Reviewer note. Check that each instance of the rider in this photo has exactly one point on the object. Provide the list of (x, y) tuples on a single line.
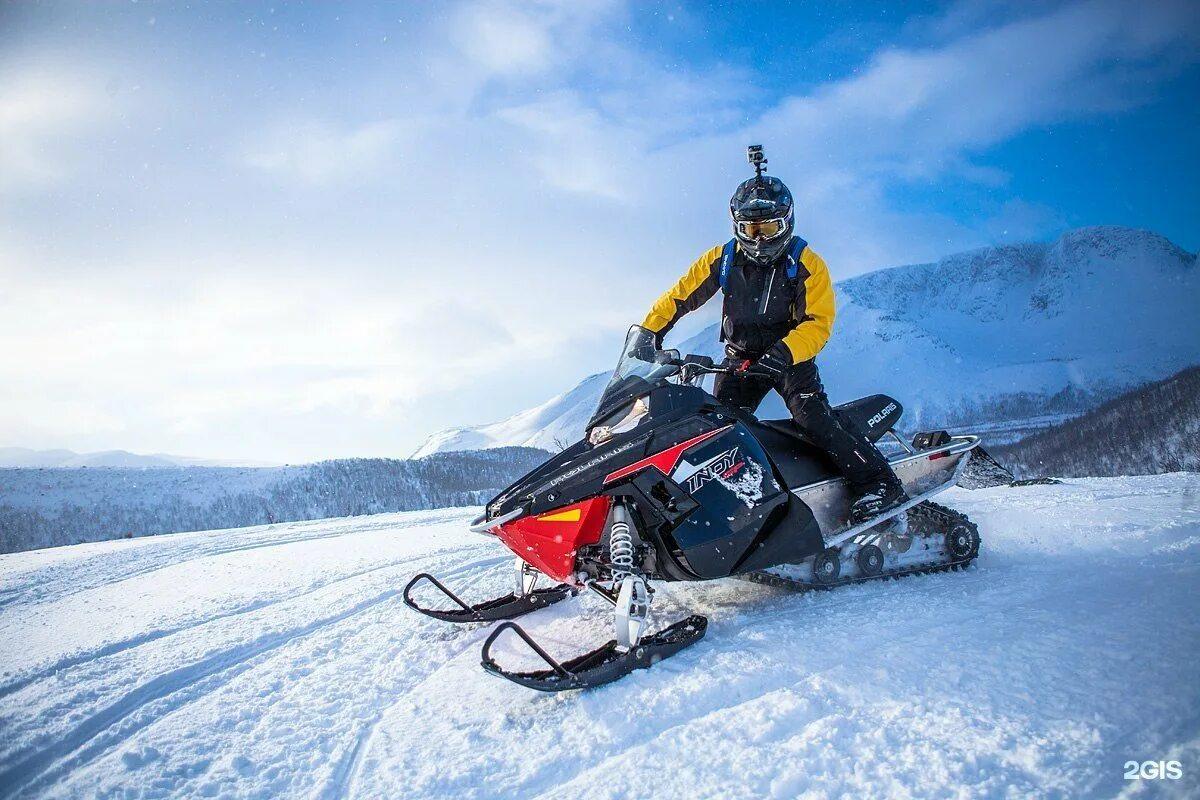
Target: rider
[(778, 313)]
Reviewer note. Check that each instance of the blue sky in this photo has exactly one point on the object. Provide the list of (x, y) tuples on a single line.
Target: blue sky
[(306, 231)]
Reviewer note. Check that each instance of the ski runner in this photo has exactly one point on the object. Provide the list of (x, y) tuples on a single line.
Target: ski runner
[(777, 316)]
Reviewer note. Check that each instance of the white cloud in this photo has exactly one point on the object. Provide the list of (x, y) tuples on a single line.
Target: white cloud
[(503, 39), (38, 108), (508, 38), (577, 149), (920, 111), (320, 152)]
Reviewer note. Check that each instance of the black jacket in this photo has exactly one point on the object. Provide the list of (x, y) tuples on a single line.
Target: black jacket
[(762, 305)]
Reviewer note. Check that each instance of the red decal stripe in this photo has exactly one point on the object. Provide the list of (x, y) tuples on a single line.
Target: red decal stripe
[(666, 460)]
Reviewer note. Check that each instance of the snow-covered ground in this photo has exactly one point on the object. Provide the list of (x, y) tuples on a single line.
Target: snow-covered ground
[(280, 662)]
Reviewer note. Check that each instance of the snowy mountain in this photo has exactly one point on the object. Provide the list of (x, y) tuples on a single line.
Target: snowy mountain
[(1011, 338), (1149, 430), (280, 661), (551, 426), (22, 457)]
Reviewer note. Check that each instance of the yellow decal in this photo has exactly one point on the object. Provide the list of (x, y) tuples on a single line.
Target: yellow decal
[(571, 515)]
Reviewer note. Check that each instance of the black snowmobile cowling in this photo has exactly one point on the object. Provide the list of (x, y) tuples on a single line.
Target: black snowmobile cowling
[(670, 484)]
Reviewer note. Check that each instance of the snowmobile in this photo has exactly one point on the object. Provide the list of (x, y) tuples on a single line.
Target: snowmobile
[(669, 484)]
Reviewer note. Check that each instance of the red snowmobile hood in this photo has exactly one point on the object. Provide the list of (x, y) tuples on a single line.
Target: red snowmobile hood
[(549, 541)]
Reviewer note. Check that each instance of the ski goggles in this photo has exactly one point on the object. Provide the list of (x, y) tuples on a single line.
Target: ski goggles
[(761, 229)]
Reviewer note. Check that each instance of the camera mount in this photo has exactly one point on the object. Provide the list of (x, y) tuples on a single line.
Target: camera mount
[(755, 155)]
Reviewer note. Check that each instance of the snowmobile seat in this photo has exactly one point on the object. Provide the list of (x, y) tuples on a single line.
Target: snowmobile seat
[(871, 416), (799, 461)]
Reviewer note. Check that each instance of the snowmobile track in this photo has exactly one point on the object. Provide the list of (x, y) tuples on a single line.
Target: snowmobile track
[(113, 648), (926, 508), (37, 769), (256, 539), (778, 581), (77, 747), (342, 781)]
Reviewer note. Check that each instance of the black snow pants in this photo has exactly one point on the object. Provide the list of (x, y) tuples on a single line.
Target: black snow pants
[(802, 392)]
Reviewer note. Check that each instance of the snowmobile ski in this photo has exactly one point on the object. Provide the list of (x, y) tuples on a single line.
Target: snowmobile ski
[(602, 665), (509, 606)]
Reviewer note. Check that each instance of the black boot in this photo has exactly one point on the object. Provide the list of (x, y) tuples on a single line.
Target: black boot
[(875, 499)]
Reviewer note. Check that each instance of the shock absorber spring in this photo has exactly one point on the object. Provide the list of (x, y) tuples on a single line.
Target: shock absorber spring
[(620, 545)]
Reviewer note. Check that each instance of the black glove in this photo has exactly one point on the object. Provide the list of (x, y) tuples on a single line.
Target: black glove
[(769, 365)]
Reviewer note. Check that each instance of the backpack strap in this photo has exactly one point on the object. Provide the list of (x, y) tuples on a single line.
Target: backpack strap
[(795, 248), (793, 257), (727, 253)]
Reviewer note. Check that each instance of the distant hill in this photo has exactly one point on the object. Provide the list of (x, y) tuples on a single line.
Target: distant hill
[(1150, 430), (1009, 338), (42, 507), (551, 426), (23, 457)]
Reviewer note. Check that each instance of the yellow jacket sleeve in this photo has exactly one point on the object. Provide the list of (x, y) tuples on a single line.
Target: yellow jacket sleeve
[(816, 319), (694, 289)]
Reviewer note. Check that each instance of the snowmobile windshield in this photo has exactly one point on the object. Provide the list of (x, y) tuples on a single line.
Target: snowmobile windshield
[(641, 367)]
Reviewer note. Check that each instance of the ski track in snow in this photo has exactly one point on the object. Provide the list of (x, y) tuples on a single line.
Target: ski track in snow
[(280, 662), (106, 564)]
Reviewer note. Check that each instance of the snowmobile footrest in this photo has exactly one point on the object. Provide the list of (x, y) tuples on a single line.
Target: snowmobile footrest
[(601, 666), (506, 607)]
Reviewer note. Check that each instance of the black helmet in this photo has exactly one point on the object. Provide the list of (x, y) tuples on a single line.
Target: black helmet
[(762, 218)]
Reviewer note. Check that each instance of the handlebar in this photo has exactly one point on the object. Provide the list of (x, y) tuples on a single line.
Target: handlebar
[(690, 370), (715, 369)]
